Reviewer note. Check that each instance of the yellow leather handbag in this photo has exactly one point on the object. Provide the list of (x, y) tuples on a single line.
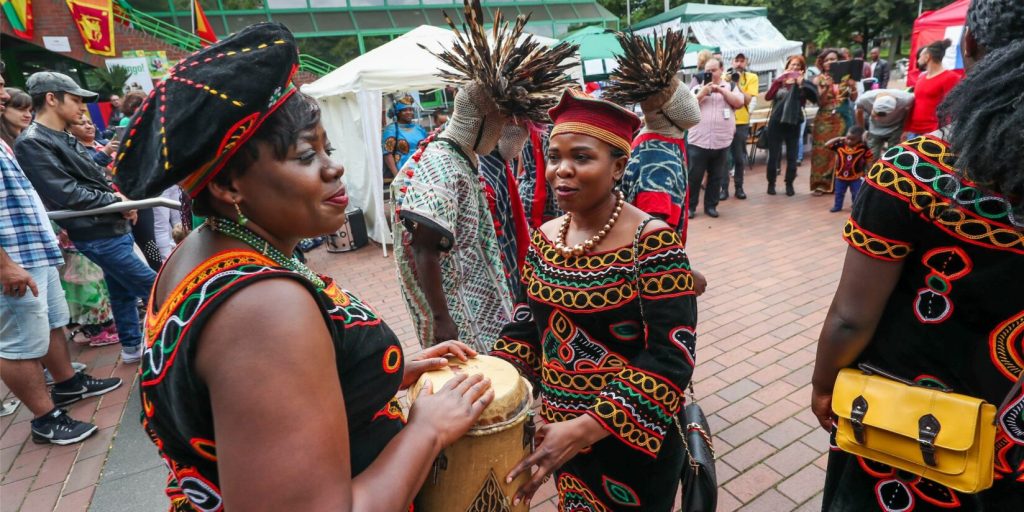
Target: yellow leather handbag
[(945, 437)]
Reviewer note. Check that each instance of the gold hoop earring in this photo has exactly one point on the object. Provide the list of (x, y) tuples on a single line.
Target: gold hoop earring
[(242, 219)]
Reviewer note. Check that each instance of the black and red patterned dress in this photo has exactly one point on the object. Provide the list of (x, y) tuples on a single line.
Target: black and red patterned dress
[(176, 404), (955, 317), (581, 337)]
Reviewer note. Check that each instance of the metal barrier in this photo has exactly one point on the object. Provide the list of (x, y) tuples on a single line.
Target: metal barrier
[(118, 207)]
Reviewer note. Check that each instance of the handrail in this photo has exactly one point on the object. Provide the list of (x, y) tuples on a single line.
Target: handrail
[(176, 36)]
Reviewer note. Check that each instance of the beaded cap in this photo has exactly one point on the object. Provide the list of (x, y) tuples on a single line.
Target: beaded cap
[(211, 103), (579, 113)]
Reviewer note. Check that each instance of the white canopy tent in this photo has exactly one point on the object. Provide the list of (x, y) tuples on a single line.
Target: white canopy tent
[(351, 99), (733, 29)]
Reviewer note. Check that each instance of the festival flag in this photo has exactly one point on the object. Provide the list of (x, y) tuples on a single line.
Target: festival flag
[(95, 22), (19, 15), (201, 26)]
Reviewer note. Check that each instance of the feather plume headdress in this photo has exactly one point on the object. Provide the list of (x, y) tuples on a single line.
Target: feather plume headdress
[(523, 78), (646, 67)]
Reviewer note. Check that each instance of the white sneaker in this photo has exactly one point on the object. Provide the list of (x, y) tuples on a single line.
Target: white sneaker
[(9, 407), (132, 355), (75, 365)]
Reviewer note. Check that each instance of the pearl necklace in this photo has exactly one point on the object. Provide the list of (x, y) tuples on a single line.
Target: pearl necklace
[(239, 232), (581, 248)]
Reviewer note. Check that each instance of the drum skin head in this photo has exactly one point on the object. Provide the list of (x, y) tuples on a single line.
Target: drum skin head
[(510, 390)]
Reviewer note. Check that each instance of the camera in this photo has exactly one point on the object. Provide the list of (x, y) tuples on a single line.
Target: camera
[(702, 77), (734, 76)]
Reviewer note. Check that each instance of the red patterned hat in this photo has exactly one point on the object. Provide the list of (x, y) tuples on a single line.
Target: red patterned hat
[(211, 103), (579, 113)]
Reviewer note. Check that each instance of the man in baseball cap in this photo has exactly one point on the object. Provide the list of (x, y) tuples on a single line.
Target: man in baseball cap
[(51, 81), (888, 109), (67, 178)]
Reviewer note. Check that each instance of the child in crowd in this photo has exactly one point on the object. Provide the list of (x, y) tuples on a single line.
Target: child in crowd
[(854, 156)]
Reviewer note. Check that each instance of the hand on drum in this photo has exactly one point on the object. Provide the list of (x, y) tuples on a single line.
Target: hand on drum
[(434, 358), (556, 444), (453, 409)]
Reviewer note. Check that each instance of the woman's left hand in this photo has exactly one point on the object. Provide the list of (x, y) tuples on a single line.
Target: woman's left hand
[(821, 406), (556, 444), (434, 358)]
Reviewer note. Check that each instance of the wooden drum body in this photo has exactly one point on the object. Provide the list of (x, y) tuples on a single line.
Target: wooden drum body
[(470, 474)]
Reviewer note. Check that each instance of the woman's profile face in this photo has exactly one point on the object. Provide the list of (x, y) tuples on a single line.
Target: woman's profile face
[(581, 171), (301, 196), (20, 118), (829, 59)]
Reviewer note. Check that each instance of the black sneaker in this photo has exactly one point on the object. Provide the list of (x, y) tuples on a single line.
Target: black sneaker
[(59, 428), (86, 386)]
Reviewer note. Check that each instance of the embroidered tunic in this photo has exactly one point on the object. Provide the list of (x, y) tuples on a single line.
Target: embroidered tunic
[(534, 189), (955, 317), (583, 339), (177, 414), (655, 179), (440, 189)]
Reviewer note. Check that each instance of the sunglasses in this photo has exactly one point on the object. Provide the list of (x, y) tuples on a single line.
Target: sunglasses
[(881, 114)]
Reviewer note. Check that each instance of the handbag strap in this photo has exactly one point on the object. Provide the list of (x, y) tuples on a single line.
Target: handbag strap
[(1012, 393), (636, 264)]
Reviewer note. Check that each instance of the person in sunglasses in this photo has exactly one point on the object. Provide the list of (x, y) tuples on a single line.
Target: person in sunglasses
[(882, 112)]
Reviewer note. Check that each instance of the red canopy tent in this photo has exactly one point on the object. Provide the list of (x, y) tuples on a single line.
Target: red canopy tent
[(945, 23)]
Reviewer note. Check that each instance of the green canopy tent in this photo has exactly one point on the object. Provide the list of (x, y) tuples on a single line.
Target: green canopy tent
[(599, 47)]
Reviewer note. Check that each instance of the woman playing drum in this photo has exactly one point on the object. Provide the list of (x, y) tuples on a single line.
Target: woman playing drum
[(607, 330), (266, 386)]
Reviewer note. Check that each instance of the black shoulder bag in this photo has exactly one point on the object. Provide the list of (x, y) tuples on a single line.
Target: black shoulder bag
[(700, 483)]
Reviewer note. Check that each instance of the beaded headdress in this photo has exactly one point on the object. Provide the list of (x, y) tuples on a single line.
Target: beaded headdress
[(209, 105)]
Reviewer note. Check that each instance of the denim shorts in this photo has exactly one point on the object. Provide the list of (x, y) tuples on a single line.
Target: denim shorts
[(26, 321)]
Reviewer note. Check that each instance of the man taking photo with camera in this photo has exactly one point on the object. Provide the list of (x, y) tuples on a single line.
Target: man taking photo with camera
[(746, 84), (710, 140)]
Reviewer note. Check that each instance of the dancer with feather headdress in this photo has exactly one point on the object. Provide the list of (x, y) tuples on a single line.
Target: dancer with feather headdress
[(655, 179), (445, 244)]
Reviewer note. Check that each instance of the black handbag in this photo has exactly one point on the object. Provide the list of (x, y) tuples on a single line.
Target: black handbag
[(700, 482), (698, 477)]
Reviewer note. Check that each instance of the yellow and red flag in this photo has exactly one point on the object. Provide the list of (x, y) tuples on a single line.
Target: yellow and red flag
[(19, 15), (95, 22), (201, 25)]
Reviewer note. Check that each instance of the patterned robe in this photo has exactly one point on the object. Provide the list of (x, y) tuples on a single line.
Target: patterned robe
[(440, 189), (610, 335), (506, 209), (177, 414), (955, 317), (534, 190), (655, 179)]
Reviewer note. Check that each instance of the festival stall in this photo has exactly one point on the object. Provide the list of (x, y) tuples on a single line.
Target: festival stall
[(945, 23), (351, 99), (733, 29), (599, 47)]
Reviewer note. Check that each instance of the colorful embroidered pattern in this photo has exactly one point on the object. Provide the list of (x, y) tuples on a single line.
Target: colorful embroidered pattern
[(1006, 344), (575, 496), (177, 414), (596, 353), (620, 493), (947, 264), (655, 179), (921, 173), (440, 190), (874, 245)]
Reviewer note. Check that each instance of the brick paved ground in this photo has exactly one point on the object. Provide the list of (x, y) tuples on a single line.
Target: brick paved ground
[(772, 263)]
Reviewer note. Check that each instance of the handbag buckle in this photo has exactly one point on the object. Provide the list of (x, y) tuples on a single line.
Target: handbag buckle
[(860, 409), (928, 429)]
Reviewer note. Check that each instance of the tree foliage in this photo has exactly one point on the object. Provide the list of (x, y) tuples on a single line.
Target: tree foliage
[(815, 22)]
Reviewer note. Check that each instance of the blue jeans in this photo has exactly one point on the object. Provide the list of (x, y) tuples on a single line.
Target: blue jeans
[(128, 279), (26, 321), (841, 186), (800, 141)]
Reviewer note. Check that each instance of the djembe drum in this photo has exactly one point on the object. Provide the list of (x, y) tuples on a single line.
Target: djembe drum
[(470, 474)]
